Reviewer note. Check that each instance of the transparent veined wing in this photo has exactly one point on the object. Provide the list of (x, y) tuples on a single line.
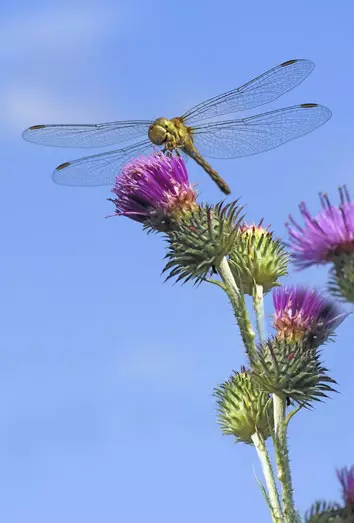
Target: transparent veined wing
[(256, 134), (263, 89), (99, 169), (86, 135)]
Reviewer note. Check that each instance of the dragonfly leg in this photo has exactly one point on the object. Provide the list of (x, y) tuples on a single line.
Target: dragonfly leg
[(168, 151)]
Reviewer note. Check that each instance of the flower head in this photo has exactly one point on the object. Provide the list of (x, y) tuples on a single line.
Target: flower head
[(155, 191), (257, 259), (346, 478), (304, 314), (290, 363), (325, 236)]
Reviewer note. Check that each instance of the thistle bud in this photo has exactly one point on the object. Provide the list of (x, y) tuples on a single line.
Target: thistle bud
[(201, 241), (293, 370), (243, 408), (258, 259)]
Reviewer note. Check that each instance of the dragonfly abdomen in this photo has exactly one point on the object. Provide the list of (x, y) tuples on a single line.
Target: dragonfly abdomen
[(197, 157)]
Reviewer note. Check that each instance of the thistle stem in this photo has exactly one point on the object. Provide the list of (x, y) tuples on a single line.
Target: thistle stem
[(238, 304), (273, 495), (258, 304), (282, 457)]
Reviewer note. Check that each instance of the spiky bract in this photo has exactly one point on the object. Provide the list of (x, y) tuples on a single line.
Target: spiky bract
[(341, 277), (293, 370), (202, 240), (324, 512)]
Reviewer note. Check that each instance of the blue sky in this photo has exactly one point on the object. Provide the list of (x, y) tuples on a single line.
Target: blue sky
[(106, 373)]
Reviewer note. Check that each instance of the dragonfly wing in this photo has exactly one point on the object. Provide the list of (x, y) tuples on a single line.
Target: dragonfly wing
[(263, 89), (90, 135), (256, 134), (99, 169)]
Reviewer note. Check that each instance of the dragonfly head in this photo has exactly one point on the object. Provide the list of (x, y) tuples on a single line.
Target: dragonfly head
[(160, 130)]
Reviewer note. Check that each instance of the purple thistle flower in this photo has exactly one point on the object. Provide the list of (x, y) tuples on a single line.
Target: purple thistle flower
[(346, 478), (305, 314), (154, 190), (324, 236)]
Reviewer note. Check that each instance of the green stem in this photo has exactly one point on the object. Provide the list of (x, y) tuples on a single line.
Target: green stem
[(258, 304), (238, 304), (282, 457), (273, 495)]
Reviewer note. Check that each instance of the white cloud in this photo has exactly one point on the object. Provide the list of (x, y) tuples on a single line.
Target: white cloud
[(23, 106)]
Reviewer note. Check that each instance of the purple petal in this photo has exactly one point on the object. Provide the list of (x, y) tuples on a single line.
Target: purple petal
[(346, 478), (306, 310), (151, 184), (325, 235)]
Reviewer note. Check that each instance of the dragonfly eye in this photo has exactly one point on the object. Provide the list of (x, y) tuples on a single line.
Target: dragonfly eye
[(158, 134)]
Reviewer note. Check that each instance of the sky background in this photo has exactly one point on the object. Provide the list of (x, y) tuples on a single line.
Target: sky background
[(106, 373)]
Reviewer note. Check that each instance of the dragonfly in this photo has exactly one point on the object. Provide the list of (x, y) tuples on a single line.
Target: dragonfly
[(195, 134)]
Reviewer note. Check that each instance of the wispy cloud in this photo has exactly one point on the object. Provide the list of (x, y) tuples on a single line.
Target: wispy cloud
[(47, 52), (23, 106)]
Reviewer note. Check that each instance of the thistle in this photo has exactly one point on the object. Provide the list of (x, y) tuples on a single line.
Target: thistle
[(327, 238), (203, 240), (346, 479), (258, 259), (154, 191), (289, 363), (323, 512), (305, 315), (243, 408)]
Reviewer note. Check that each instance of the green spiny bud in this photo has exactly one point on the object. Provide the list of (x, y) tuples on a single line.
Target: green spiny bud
[(243, 408), (202, 240), (292, 369), (258, 259)]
